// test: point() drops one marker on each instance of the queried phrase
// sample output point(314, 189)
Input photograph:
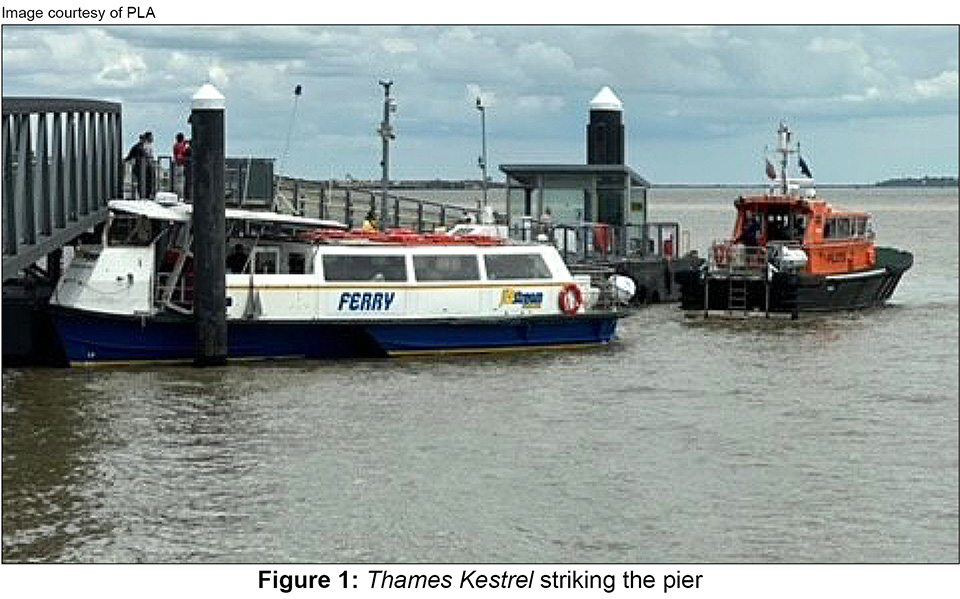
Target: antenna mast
point(386, 134)
point(784, 149)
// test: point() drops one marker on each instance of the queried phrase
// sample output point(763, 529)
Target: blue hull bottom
point(89, 337)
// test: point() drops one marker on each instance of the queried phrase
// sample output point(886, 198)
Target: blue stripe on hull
point(90, 338)
point(93, 338)
point(479, 336)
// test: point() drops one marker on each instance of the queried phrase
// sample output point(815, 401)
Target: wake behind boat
point(792, 253)
point(301, 287)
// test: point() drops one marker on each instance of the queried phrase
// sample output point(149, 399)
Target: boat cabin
point(288, 267)
point(834, 241)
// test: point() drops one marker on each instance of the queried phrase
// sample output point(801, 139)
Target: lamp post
point(386, 134)
point(483, 150)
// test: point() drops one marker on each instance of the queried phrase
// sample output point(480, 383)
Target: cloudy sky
point(700, 103)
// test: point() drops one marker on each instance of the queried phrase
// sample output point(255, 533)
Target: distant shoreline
point(906, 182)
point(474, 185)
point(920, 182)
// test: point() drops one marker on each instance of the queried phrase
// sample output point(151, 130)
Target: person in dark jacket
point(141, 154)
point(751, 234)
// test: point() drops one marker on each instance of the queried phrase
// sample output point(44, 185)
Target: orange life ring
point(571, 298)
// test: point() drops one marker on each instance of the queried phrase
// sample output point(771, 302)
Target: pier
point(62, 163)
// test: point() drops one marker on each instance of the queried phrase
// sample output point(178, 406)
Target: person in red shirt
point(181, 161)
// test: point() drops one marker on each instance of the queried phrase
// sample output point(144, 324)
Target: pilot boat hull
point(790, 294)
point(792, 252)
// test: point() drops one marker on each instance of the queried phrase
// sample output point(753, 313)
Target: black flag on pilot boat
point(804, 168)
point(771, 172)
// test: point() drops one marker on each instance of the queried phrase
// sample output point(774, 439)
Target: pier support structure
point(209, 226)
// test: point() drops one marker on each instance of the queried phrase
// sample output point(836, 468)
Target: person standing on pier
point(369, 223)
point(181, 156)
point(142, 156)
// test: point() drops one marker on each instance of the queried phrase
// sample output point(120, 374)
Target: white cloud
point(398, 45)
point(723, 81)
point(543, 59)
point(218, 76)
point(831, 45)
point(128, 70)
point(943, 85)
point(537, 104)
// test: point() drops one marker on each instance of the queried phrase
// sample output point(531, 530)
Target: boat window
point(860, 227)
point(843, 227)
point(837, 228)
point(265, 260)
point(799, 226)
point(777, 226)
point(516, 266)
point(296, 263)
point(132, 230)
point(446, 268)
point(364, 268)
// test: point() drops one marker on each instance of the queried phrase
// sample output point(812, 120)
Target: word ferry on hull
point(791, 253)
point(305, 288)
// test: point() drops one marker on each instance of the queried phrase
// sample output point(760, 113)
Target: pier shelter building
point(602, 199)
point(596, 213)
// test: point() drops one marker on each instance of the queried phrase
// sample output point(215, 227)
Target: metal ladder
point(170, 284)
point(737, 294)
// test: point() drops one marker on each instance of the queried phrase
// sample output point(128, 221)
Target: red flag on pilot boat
point(771, 172)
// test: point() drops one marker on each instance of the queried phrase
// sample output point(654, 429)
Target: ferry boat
point(792, 253)
point(309, 288)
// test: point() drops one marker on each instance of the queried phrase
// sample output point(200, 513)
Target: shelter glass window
point(516, 266)
point(364, 268)
point(564, 197)
point(638, 201)
point(516, 200)
point(446, 268)
point(611, 199)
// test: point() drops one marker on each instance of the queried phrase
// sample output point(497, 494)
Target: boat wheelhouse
point(300, 287)
point(792, 252)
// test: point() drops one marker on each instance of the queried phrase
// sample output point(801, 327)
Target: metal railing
point(340, 201)
point(735, 259)
point(349, 204)
point(61, 165)
point(602, 242)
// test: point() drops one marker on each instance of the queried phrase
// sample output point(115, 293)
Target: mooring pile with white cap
point(209, 226)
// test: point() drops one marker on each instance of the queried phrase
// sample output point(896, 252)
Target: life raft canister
point(571, 298)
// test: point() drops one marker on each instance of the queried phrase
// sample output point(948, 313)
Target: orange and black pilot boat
point(791, 253)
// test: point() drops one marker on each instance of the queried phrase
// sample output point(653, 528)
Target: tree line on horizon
point(920, 182)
